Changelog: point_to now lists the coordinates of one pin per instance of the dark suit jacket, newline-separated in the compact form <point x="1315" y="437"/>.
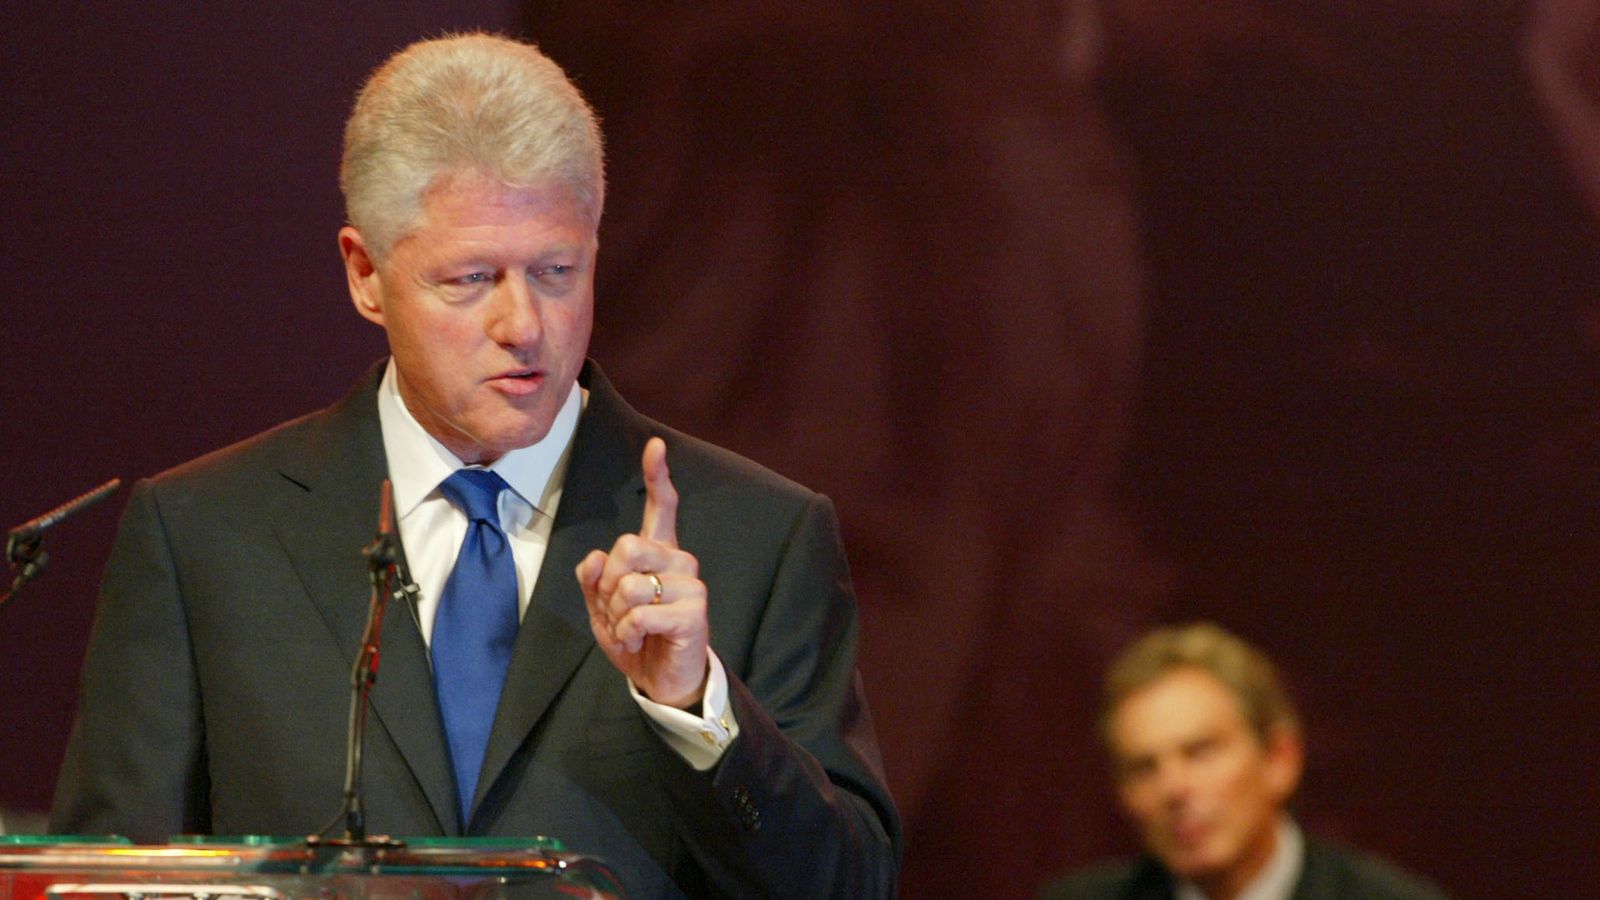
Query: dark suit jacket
<point x="215" y="692"/>
<point x="1331" y="873"/>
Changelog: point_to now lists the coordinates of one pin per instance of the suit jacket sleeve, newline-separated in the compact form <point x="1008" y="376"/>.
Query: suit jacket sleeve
<point x="135" y="760"/>
<point x="797" y="805"/>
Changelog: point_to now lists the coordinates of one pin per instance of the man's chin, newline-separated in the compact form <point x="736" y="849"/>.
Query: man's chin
<point x="489" y="444"/>
<point x="505" y="441"/>
<point x="1199" y="865"/>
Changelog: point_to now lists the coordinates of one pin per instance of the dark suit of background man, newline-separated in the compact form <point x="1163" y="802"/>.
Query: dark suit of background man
<point x="1205" y="746"/>
<point x="687" y="706"/>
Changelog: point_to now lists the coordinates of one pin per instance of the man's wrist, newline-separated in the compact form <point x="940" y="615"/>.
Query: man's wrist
<point x="700" y="734"/>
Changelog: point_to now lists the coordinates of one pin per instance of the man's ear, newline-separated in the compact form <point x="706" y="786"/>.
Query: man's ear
<point x="362" y="274"/>
<point x="1286" y="757"/>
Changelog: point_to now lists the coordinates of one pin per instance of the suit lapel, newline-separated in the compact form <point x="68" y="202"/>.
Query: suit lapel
<point x="601" y="499"/>
<point x="323" y="528"/>
<point x="1319" y="875"/>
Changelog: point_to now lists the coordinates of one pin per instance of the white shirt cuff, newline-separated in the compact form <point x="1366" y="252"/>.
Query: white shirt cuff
<point x="701" y="739"/>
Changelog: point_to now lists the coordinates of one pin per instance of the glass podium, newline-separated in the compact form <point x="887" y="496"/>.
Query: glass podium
<point x="253" y="867"/>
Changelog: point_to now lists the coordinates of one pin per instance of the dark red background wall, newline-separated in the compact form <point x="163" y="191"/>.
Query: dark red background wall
<point x="1090" y="316"/>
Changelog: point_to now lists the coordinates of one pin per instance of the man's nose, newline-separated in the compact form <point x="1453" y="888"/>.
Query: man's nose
<point x="1174" y="782"/>
<point x="514" y="316"/>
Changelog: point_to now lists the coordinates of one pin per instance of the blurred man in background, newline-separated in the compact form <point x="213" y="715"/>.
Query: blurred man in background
<point x="1206" y="749"/>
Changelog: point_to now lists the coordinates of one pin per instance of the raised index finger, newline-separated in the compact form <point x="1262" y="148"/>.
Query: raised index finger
<point x="660" y="497"/>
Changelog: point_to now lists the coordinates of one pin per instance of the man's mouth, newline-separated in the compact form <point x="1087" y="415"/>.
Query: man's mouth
<point x="518" y="381"/>
<point x="1189" y="833"/>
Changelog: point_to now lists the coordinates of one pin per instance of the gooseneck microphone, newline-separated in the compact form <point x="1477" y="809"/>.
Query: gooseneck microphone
<point x="25" y="543"/>
<point x="390" y="581"/>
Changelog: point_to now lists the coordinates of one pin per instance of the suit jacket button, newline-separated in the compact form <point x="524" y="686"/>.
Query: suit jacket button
<point x="749" y="816"/>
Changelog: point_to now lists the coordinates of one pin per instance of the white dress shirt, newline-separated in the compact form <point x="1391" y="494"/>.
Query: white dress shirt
<point x="432" y="529"/>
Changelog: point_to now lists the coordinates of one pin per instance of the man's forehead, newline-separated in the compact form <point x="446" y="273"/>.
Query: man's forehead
<point x="454" y="189"/>
<point x="471" y="207"/>
<point x="1183" y="704"/>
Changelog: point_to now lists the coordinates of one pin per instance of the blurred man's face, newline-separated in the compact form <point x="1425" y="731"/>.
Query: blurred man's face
<point x="1204" y="789"/>
<point x="488" y="304"/>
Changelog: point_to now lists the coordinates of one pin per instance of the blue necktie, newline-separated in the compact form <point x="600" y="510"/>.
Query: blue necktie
<point x="474" y="628"/>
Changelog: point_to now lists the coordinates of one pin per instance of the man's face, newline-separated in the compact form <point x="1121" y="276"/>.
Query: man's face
<point x="488" y="303"/>
<point x="1201" y="785"/>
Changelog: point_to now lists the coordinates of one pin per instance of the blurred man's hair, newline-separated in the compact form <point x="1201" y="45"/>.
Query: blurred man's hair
<point x="1244" y="670"/>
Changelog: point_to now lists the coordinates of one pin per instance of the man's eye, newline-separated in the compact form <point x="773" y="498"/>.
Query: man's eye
<point x="555" y="270"/>
<point x="1137" y="769"/>
<point x="472" y="278"/>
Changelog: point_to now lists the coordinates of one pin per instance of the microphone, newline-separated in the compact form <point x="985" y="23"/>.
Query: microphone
<point x="382" y="550"/>
<point x="390" y="580"/>
<point x="32" y="528"/>
<point x="25" y="543"/>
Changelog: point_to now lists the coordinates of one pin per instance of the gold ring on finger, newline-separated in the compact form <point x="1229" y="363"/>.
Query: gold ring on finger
<point x="655" y="582"/>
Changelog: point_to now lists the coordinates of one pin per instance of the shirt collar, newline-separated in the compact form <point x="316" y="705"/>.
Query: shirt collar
<point x="418" y="462"/>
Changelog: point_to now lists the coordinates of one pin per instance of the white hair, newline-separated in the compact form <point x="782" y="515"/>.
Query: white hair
<point x="477" y="103"/>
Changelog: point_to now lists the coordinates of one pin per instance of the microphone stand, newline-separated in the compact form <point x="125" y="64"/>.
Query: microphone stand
<point x="25" y="543"/>
<point x="386" y="568"/>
